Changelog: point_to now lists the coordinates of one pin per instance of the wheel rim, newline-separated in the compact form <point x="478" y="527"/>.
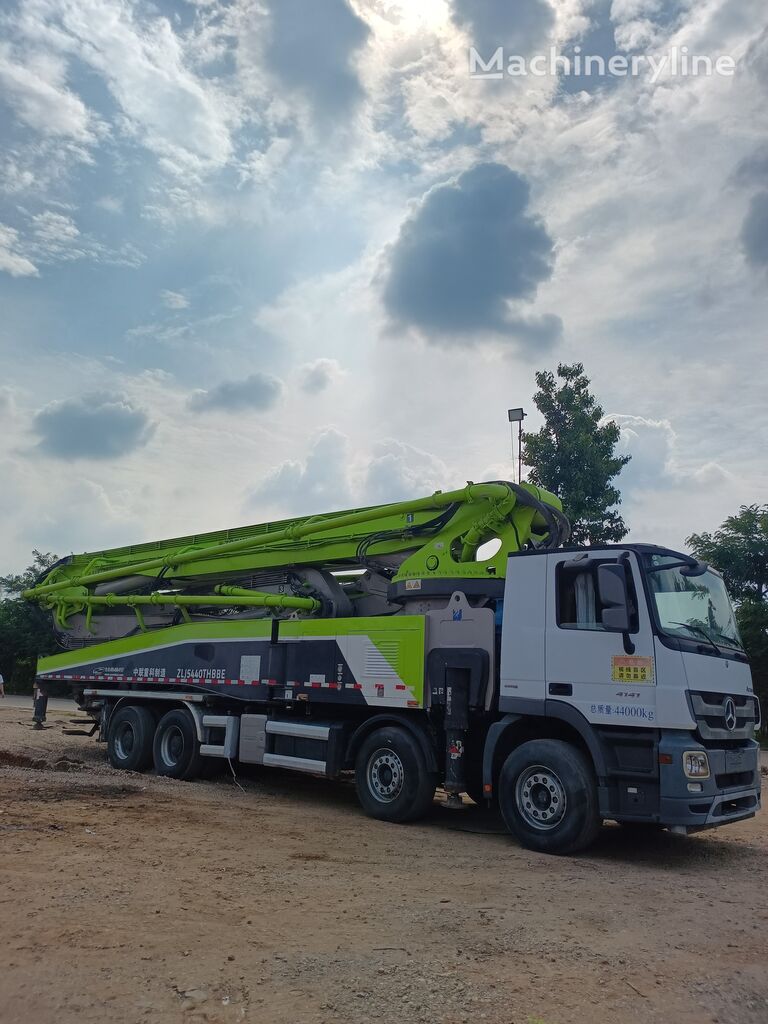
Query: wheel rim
<point x="540" y="798"/>
<point x="172" y="746"/>
<point x="125" y="740"/>
<point x="385" y="775"/>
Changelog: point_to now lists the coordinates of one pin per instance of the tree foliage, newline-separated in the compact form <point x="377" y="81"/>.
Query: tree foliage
<point x="573" y="455"/>
<point x="25" y="631"/>
<point x="17" y="584"/>
<point x="739" y="549"/>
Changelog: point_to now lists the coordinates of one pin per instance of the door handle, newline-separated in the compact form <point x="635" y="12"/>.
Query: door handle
<point x="560" y="690"/>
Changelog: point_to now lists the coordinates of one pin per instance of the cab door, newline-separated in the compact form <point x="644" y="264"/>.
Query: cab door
<point x="587" y="666"/>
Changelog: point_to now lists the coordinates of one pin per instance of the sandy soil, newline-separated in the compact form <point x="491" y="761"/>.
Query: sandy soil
<point x="129" y="898"/>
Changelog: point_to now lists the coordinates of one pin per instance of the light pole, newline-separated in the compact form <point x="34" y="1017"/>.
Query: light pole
<point x="517" y="416"/>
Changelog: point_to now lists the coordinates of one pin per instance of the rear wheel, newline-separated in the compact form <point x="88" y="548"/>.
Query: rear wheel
<point x="176" y="750"/>
<point x="129" y="739"/>
<point x="393" y="782"/>
<point x="548" y="797"/>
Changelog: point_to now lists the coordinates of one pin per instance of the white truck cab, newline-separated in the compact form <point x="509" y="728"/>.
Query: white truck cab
<point x="635" y="650"/>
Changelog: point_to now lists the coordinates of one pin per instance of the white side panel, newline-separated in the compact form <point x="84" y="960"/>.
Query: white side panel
<point x="522" y="671"/>
<point x="671" y="700"/>
<point x="375" y="674"/>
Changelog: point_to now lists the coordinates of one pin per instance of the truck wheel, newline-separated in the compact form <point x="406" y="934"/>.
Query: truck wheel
<point x="548" y="797"/>
<point x="176" y="750"/>
<point x="393" y="783"/>
<point x="129" y="740"/>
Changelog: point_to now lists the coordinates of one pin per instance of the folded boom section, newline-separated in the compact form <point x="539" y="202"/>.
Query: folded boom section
<point x="369" y="561"/>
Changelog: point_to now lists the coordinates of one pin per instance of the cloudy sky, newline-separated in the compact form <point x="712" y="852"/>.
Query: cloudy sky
<point x="283" y="256"/>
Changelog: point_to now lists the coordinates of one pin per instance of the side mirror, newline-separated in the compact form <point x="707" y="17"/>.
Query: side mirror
<point x="614" y="597"/>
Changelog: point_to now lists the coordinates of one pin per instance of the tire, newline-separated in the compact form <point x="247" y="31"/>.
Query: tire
<point x="548" y="797"/>
<point x="130" y="736"/>
<point x="176" y="750"/>
<point x="393" y="783"/>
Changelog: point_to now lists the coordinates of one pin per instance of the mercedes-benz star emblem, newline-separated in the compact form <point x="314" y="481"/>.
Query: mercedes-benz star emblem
<point x="730" y="715"/>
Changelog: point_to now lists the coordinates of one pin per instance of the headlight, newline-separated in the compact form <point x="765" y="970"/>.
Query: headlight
<point x="696" y="764"/>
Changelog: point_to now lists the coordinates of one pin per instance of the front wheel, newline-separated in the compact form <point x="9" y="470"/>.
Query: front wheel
<point x="548" y="797"/>
<point x="393" y="782"/>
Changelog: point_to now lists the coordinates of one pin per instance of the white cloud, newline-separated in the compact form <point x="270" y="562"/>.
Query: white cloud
<point x="319" y="483"/>
<point x="111" y="204"/>
<point x="35" y="89"/>
<point x="397" y="471"/>
<point x="186" y="335"/>
<point x="656" y="457"/>
<point x="631" y="10"/>
<point x="11" y="260"/>
<point x="651" y="445"/>
<point x="636" y="35"/>
<point x="54" y="229"/>
<point x="318" y="375"/>
<point x="83" y="514"/>
<point x="54" y="237"/>
<point x="7" y="400"/>
<point x="332" y="471"/>
<point x="184" y="119"/>
<point x="174" y="300"/>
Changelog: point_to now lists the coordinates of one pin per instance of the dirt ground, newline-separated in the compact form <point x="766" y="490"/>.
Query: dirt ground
<point x="129" y="898"/>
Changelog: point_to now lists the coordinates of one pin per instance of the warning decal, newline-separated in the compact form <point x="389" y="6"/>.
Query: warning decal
<point x="628" y="669"/>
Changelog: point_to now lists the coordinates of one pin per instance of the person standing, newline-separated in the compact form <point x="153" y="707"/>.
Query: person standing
<point x="2" y="685"/>
<point x="39" y="706"/>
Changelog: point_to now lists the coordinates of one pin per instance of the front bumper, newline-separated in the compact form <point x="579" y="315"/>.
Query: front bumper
<point x="731" y="793"/>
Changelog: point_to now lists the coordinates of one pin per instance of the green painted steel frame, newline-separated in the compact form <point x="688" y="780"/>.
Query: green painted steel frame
<point x="480" y="512"/>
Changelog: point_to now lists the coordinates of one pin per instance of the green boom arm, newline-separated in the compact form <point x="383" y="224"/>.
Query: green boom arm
<point x="432" y="537"/>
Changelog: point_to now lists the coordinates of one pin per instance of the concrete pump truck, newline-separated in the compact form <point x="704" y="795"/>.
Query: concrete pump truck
<point x="565" y="685"/>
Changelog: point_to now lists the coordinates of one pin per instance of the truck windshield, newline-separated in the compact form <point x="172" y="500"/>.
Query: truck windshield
<point x="692" y="606"/>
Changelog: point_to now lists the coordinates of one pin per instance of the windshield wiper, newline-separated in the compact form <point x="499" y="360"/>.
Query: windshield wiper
<point x="700" y="631"/>
<point x="731" y="642"/>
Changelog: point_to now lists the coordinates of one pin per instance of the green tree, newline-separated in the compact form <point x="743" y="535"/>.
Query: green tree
<point x="25" y="631"/>
<point x="573" y="455"/>
<point x="739" y="549"/>
<point x="16" y="584"/>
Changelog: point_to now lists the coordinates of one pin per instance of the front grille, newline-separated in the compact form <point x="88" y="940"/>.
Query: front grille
<point x="734" y="780"/>
<point x="711" y="711"/>
<point x="738" y="805"/>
